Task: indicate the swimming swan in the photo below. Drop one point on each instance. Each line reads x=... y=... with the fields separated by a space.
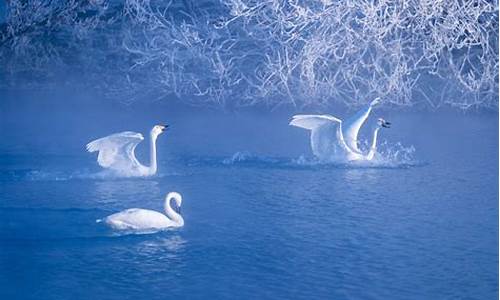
x=116 y=152
x=325 y=140
x=143 y=219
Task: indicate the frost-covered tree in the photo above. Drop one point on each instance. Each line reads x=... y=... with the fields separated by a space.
x=247 y=52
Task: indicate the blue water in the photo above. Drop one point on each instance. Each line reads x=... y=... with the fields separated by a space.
x=263 y=219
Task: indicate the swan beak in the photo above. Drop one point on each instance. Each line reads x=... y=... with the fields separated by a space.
x=164 y=128
x=177 y=208
x=386 y=124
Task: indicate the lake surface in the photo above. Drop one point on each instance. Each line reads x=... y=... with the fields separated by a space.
x=263 y=220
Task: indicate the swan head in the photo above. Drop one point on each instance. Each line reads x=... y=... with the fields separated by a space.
x=158 y=129
x=383 y=123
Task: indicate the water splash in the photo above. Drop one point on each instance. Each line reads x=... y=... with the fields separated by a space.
x=388 y=156
x=40 y=175
x=66 y=175
x=247 y=157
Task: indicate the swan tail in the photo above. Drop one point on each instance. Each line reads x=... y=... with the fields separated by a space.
x=98 y=220
x=312 y=122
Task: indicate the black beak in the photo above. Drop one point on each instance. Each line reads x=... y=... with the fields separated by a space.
x=386 y=125
x=165 y=127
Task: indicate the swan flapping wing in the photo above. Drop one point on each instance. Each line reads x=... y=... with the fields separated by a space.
x=323 y=133
x=313 y=121
x=116 y=151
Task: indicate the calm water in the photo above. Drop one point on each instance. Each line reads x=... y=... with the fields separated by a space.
x=260 y=223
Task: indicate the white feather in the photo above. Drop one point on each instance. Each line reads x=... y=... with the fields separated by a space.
x=117 y=150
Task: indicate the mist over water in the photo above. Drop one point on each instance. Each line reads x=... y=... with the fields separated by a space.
x=263 y=217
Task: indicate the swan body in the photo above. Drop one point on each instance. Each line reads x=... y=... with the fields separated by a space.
x=117 y=152
x=145 y=219
x=331 y=138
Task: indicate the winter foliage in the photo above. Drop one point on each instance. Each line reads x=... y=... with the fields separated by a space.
x=235 y=53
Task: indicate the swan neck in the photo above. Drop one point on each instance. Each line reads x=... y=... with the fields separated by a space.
x=373 y=148
x=171 y=214
x=153 y=166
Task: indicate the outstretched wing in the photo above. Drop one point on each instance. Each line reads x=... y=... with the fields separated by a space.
x=116 y=151
x=313 y=121
x=323 y=132
x=350 y=128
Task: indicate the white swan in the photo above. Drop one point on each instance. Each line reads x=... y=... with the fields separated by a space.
x=116 y=152
x=144 y=219
x=326 y=141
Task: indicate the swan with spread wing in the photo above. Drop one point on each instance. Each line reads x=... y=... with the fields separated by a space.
x=331 y=137
x=117 y=152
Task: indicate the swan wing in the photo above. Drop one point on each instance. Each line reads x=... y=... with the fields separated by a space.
x=350 y=128
x=323 y=133
x=116 y=151
x=313 y=121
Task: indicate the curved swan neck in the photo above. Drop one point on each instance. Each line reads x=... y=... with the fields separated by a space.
x=373 y=148
x=152 y=166
x=171 y=214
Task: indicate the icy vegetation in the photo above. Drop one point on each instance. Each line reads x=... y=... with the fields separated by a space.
x=235 y=53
